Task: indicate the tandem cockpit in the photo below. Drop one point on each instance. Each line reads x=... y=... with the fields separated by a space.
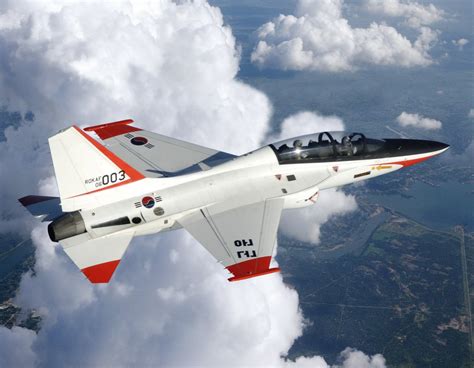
x=327 y=146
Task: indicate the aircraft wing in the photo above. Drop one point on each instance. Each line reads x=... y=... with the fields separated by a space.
x=242 y=239
x=155 y=155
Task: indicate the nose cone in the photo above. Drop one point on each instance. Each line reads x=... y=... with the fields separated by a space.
x=427 y=146
x=406 y=147
x=414 y=150
x=440 y=145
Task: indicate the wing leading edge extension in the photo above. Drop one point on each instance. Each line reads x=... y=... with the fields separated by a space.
x=156 y=155
x=242 y=239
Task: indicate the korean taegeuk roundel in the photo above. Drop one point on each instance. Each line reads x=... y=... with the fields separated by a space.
x=148 y=202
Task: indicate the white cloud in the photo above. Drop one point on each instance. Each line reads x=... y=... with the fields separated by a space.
x=460 y=43
x=415 y=14
x=94 y=62
x=471 y=114
x=419 y=121
x=318 y=37
x=307 y=122
x=356 y=359
x=350 y=358
x=155 y=310
x=304 y=223
x=16 y=347
x=171 y=67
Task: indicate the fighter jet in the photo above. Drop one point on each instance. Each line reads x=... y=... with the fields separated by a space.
x=141 y=183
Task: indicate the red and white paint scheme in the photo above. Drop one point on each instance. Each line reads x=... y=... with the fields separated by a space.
x=142 y=183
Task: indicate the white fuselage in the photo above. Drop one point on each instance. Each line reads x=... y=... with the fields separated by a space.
x=244 y=180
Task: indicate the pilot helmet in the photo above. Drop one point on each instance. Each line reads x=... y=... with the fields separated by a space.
x=298 y=143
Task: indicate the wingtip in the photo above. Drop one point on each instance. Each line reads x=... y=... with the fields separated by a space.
x=245 y=277
x=109 y=130
x=251 y=268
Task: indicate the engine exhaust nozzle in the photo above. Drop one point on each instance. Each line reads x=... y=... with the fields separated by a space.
x=66 y=226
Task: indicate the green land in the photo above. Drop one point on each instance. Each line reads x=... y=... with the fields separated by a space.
x=398 y=292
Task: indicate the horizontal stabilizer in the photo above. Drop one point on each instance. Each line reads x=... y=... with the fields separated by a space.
x=97 y=258
x=42 y=207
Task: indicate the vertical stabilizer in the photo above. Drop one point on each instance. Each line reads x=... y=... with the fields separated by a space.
x=84 y=166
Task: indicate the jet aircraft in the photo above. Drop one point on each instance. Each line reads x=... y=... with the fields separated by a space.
x=141 y=183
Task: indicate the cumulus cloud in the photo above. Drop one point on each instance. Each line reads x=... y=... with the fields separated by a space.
x=460 y=43
x=414 y=13
x=305 y=223
x=16 y=347
x=159 y=312
x=95 y=62
x=318 y=37
x=172 y=68
x=350 y=358
x=418 y=121
x=307 y=122
x=353 y=358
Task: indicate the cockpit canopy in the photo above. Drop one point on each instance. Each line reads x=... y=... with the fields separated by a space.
x=327 y=146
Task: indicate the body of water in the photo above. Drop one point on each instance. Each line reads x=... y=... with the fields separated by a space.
x=440 y=207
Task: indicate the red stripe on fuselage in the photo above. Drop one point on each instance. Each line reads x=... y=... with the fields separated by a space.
x=133 y=174
x=406 y=163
